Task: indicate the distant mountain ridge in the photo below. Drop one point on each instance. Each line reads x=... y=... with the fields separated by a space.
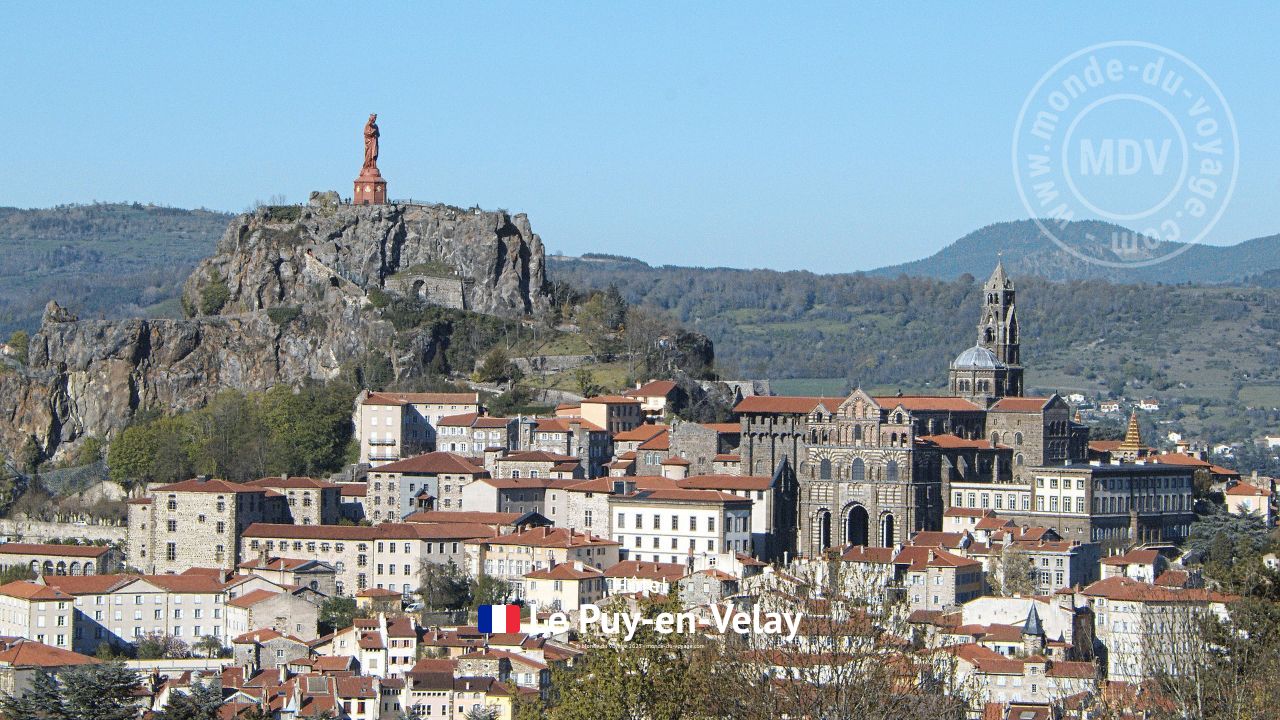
x=1025 y=251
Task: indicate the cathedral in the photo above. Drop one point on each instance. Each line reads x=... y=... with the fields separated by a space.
x=872 y=470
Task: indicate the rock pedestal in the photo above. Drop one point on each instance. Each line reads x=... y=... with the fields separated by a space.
x=370 y=188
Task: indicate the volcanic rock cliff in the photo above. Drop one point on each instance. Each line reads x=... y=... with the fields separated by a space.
x=288 y=295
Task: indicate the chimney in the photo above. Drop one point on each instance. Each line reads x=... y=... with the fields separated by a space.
x=284 y=476
x=283 y=673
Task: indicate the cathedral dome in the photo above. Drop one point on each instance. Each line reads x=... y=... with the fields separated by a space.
x=977 y=357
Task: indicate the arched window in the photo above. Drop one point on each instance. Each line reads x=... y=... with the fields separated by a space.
x=824 y=469
x=48 y=567
x=857 y=432
x=858 y=470
x=891 y=471
x=1017 y=438
x=75 y=568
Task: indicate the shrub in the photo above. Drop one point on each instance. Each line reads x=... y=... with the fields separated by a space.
x=214 y=296
x=283 y=315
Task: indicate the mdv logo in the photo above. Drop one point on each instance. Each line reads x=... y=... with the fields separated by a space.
x=1110 y=157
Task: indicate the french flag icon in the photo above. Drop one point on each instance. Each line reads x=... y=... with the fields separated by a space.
x=499 y=618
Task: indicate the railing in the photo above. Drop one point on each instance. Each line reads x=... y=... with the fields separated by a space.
x=386 y=441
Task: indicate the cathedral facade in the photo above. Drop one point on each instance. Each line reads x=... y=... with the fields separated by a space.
x=872 y=470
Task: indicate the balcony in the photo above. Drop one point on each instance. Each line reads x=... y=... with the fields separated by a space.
x=383 y=441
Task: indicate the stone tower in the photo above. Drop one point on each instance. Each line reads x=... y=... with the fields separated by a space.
x=992 y=368
x=1033 y=633
x=1132 y=448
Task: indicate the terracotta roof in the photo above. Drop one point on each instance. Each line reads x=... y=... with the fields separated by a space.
x=919 y=558
x=546 y=537
x=275 y=563
x=640 y=433
x=1119 y=587
x=401 y=398
x=313 y=532
x=661 y=441
x=463 y=516
x=538 y=456
x=209 y=486
x=1020 y=404
x=262 y=635
x=88 y=584
x=1173 y=578
x=653 y=388
x=682 y=495
x=252 y=598
x=28 y=653
x=463 y=420
x=564 y=425
x=566 y=571
x=432 y=463
x=727 y=482
x=292 y=482
x=1184 y=459
x=32 y=591
x=377 y=592
x=605 y=484
x=926 y=402
x=646 y=570
x=937 y=538
x=354 y=489
x=611 y=400
x=83 y=551
x=783 y=404
x=1138 y=557
x=185 y=583
x=676 y=460
x=1239 y=489
x=947 y=441
x=966 y=512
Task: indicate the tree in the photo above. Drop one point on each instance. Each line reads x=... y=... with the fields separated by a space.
x=338 y=612
x=444 y=586
x=496 y=366
x=214 y=296
x=99 y=692
x=1018 y=572
x=20 y=344
x=585 y=382
x=201 y=703
x=159 y=645
x=482 y=712
x=10 y=573
x=210 y=646
x=42 y=701
x=489 y=590
x=30 y=455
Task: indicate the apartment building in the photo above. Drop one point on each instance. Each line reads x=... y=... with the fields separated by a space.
x=36 y=612
x=680 y=525
x=770 y=515
x=566 y=587
x=614 y=413
x=309 y=501
x=935 y=579
x=392 y=425
x=423 y=482
x=574 y=437
x=585 y=504
x=510 y=557
x=472 y=434
x=197 y=523
x=388 y=556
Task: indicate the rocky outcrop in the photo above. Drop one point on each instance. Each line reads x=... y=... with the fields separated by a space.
x=295 y=305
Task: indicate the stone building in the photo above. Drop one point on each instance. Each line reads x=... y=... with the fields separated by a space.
x=395 y=490
x=702 y=443
x=309 y=501
x=871 y=470
x=395 y=425
x=196 y=523
x=53 y=559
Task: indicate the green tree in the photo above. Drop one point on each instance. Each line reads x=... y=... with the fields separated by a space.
x=20 y=344
x=1019 y=572
x=338 y=612
x=214 y=296
x=489 y=590
x=496 y=366
x=30 y=455
x=99 y=692
x=444 y=587
x=42 y=701
x=201 y=703
x=209 y=646
x=10 y=573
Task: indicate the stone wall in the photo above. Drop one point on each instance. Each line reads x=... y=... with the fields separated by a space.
x=36 y=531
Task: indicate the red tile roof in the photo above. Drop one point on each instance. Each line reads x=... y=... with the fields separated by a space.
x=403 y=398
x=1119 y=587
x=28 y=653
x=661 y=441
x=88 y=584
x=354 y=489
x=684 y=495
x=1020 y=404
x=611 y=400
x=947 y=441
x=566 y=571
x=646 y=570
x=432 y=463
x=546 y=537
x=292 y=482
x=783 y=404
x=640 y=433
x=605 y=484
x=1240 y=490
x=83 y=551
x=463 y=516
x=653 y=388
x=727 y=482
x=209 y=486
x=926 y=402
x=32 y=591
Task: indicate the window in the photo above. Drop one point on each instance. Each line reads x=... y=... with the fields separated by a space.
x=171 y=551
x=172 y=525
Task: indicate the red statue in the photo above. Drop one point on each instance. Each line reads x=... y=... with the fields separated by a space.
x=370 y=188
x=371 y=144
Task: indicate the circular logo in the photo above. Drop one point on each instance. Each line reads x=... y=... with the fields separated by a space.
x=1131 y=133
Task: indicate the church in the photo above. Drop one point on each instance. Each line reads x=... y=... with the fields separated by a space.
x=872 y=470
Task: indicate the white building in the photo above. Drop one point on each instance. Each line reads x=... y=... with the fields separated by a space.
x=36 y=612
x=392 y=425
x=680 y=525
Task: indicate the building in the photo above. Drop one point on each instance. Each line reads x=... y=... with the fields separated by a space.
x=21 y=660
x=36 y=612
x=565 y=587
x=584 y=505
x=874 y=469
x=700 y=444
x=1144 y=627
x=1241 y=499
x=655 y=396
x=394 y=425
x=384 y=556
x=282 y=612
x=935 y=579
x=575 y=437
x=197 y=523
x=473 y=433
x=645 y=578
x=614 y=413
x=680 y=525
x=535 y=464
x=510 y=557
x=397 y=490
x=55 y=559
x=510 y=495
x=309 y=501
x=295 y=572
x=768 y=510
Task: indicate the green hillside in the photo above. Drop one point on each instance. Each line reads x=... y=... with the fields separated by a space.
x=113 y=260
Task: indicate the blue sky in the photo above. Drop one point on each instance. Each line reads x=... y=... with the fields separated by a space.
x=830 y=137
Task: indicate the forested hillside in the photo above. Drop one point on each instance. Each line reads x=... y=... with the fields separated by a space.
x=1212 y=350
x=113 y=260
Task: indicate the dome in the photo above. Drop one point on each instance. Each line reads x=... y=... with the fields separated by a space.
x=977 y=357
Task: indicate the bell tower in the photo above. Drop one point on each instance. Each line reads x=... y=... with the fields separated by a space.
x=998 y=326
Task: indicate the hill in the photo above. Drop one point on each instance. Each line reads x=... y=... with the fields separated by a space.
x=1025 y=251
x=108 y=260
